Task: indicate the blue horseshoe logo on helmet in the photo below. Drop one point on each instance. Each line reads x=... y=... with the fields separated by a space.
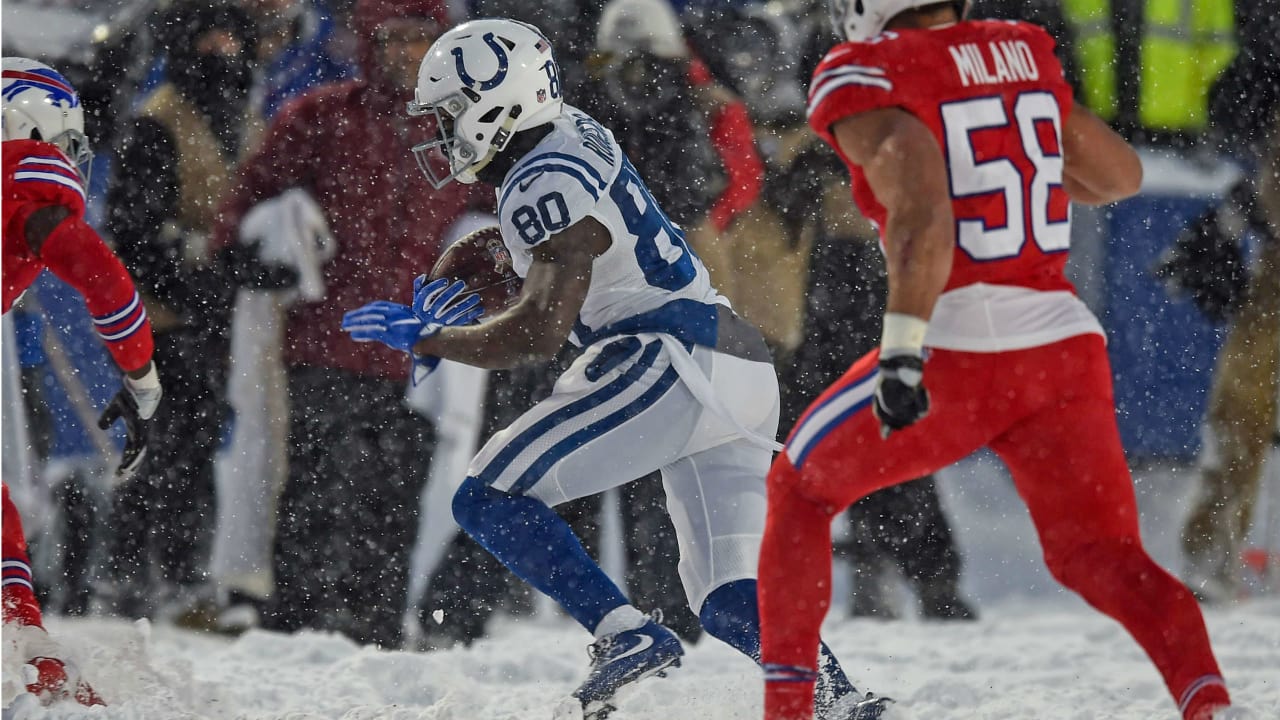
x=498 y=76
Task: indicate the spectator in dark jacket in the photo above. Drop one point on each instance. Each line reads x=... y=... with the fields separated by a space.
x=174 y=165
x=358 y=456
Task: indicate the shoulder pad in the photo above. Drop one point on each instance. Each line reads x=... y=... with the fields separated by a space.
x=43 y=174
x=559 y=182
x=852 y=78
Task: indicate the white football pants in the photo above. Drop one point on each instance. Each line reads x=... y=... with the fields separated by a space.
x=622 y=411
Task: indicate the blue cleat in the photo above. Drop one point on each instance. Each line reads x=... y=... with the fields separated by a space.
x=620 y=660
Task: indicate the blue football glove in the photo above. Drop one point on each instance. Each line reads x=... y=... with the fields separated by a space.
x=392 y=324
x=435 y=307
x=437 y=302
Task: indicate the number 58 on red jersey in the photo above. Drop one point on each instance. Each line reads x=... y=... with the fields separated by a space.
x=994 y=97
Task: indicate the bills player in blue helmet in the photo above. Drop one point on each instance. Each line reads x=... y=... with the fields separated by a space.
x=669 y=377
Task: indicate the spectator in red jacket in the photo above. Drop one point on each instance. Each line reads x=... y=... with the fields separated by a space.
x=358 y=457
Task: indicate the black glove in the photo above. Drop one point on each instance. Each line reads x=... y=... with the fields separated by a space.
x=1207 y=261
x=247 y=269
x=900 y=400
x=124 y=407
x=134 y=404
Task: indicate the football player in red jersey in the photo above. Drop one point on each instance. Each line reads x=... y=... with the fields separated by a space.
x=966 y=148
x=44 y=148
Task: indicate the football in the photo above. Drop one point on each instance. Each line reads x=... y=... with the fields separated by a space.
x=484 y=263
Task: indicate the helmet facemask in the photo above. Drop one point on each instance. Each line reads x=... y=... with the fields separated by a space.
x=836 y=10
x=457 y=154
x=465 y=159
x=75 y=146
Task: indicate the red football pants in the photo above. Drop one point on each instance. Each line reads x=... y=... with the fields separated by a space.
x=19 y=597
x=1048 y=412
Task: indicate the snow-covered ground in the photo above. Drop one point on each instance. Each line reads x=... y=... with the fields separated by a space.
x=1037 y=653
x=1019 y=662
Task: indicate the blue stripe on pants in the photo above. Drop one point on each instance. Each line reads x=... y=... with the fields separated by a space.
x=563 y=448
x=615 y=387
x=801 y=442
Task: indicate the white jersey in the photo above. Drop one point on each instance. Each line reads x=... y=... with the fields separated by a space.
x=649 y=280
x=650 y=368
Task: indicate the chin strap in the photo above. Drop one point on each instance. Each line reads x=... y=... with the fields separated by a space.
x=496 y=145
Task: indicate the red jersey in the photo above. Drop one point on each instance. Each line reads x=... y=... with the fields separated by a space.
x=993 y=95
x=38 y=175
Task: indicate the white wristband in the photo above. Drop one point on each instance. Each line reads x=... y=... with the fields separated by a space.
x=149 y=381
x=903 y=335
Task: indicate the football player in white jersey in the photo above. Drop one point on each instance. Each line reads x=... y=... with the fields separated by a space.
x=669 y=379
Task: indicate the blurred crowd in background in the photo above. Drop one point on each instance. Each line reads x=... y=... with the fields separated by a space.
x=253 y=173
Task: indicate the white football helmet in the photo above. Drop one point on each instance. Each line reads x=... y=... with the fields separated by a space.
x=482 y=81
x=861 y=20
x=39 y=104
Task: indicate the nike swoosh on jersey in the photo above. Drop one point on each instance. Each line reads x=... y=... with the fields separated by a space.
x=524 y=184
x=642 y=644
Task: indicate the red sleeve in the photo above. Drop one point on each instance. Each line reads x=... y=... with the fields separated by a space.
x=77 y=255
x=37 y=175
x=734 y=139
x=281 y=162
x=851 y=79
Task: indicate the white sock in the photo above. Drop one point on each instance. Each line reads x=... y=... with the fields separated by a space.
x=620 y=619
